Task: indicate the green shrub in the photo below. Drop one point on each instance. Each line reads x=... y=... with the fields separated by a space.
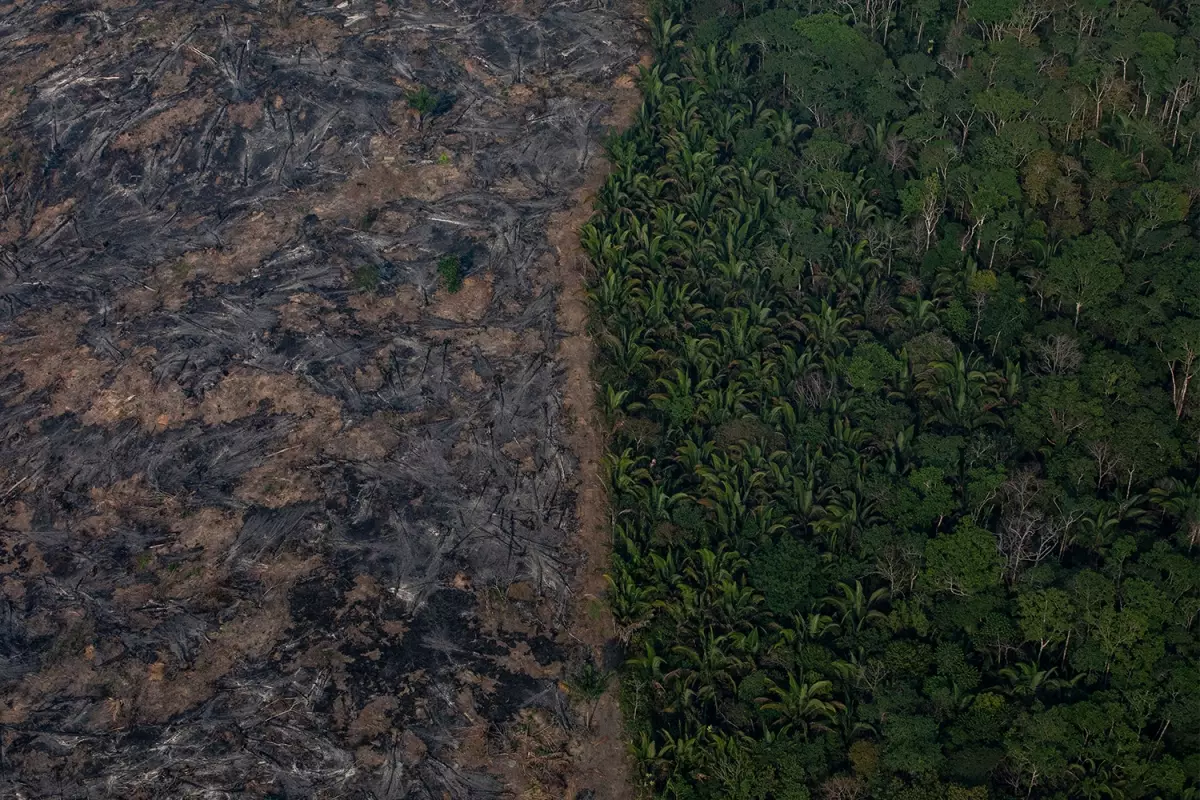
x=366 y=278
x=450 y=270
x=422 y=101
x=789 y=574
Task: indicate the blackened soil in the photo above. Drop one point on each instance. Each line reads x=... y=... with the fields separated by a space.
x=275 y=507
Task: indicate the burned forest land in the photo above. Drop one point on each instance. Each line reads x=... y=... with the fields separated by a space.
x=280 y=514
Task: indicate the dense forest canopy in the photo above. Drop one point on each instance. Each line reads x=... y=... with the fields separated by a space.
x=898 y=306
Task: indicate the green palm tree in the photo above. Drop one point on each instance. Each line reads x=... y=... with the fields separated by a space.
x=649 y=665
x=626 y=350
x=846 y=516
x=663 y=34
x=709 y=668
x=802 y=706
x=630 y=601
x=920 y=314
x=805 y=629
x=1181 y=501
x=827 y=329
x=615 y=403
x=1028 y=679
x=963 y=394
x=784 y=131
x=624 y=474
x=856 y=608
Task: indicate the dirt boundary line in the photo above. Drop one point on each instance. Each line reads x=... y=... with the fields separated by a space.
x=603 y=763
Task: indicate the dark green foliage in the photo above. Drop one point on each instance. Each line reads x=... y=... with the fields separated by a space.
x=422 y=101
x=450 y=270
x=587 y=684
x=898 y=318
x=428 y=103
x=368 y=219
x=366 y=278
x=789 y=575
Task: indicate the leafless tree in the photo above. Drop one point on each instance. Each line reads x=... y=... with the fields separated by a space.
x=1059 y=354
x=895 y=153
x=1108 y=461
x=1182 y=368
x=814 y=389
x=844 y=787
x=897 y=563
x=877 y=308
x=1026 y=533
x=886 y=239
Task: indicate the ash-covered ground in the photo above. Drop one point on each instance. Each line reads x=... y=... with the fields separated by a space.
x=279 y=515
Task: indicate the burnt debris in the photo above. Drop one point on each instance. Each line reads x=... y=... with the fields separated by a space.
x=267 y=485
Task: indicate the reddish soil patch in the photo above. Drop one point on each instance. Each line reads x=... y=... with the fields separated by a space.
x=244 y=392
x=245 y=115
x=288 y=30
x=469 y=304
x=166 y=124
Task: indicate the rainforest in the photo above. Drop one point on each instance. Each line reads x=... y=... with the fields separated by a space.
x=897 y=308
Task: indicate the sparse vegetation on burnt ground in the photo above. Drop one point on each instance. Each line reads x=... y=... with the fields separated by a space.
x=279 y=514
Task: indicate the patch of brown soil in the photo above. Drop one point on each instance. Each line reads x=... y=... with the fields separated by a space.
x=175 y=81
x=297 y=32
x=384 y=311
x=387 y=179
x=46 y=53
x=130 y=501
x=243 y=391
x=245 y=639
x=626 y=102
x=500 y=613
x=532 y=754
x=164 y=31
x=85 y=657
x=19 y=164
x=286 y=477
x=165 y=287
x=374 y=719
x=470 y=380
x=576 y=352
x=521 y=451
x=480 y=72
x=277 y=484
x=305 y=313
x=243 y=249
x=245 y=115
x=167 y=124
x=513 y=188
x=51 y=357
x=211 y=529
x=71 y=674
x=20 y=561
x=493 y=342
x=133 y=394
x=469 y=304
x=521 y=659
x=50 y=218
x=373 y=439
x=19 y=516
x=402 y=116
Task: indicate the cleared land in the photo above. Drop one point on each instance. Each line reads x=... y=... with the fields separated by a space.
x=279 y=515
